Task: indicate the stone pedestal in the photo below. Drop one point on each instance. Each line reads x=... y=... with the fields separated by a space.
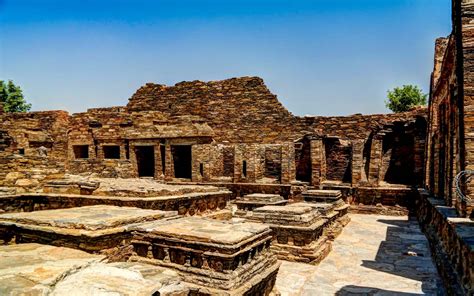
x=214 y=257
x=297 y=231
x=322 y=195
x=252 y=201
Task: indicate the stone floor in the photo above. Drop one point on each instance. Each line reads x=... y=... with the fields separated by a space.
x=374 y=255
x=33 y=269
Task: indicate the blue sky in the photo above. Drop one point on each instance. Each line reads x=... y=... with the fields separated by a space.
x=323 y=57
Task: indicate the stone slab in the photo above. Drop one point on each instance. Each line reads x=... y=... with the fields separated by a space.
x=88 y=218
x=34 y=269
x=263 y=197
x=289 y=215
x=324 y=193
x=201 y=230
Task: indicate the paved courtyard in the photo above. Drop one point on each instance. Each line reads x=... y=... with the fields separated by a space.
x=375 y=255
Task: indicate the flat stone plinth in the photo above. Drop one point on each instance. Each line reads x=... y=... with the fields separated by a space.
x=336 y=215
x=322 y=195
x=220 y=257
x=297 y=230
x=250 y=202
x=300 y=215
x=91 y=228
x=198 y=203
x=34 y=269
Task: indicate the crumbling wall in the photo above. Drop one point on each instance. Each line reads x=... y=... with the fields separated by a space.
x=32 y=148
x=239 y=110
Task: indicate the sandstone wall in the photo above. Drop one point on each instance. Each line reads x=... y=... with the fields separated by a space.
x=240 y=110
x=450 y=147
x=32 y=148
x=450 y=239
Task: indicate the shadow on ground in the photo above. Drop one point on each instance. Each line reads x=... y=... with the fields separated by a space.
x=365 y=291
x=405 y=253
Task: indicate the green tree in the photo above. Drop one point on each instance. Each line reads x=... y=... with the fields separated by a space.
x=12 y=98
x=402 y=99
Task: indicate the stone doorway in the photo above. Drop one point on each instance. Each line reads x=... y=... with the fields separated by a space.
x=145 y=160
x=182 y=161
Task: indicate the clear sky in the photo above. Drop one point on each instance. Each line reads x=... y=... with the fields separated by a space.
x=323 y=57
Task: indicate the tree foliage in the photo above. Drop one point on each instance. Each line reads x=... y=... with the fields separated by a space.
x=12 y=98
x=402 y=99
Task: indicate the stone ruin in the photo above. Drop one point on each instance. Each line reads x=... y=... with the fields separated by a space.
x=211 y=182
x=198 y=188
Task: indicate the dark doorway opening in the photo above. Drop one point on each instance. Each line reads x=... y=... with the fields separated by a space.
x=182 y=161
x=303 y=160
x=145 y=161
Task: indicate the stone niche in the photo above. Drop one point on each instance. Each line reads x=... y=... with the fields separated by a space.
x=90 y=228
x=208 y=257
x=297 y=232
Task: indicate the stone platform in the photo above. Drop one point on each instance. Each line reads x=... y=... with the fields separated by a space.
x=91 y=228
x=34 y=269
x=336 y=215
x=298 y=232
x=198 y=203
x=322 y=195
x=216 y=257
x=250 y=202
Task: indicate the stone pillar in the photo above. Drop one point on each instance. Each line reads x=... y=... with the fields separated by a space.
x=288 y=166
x=133 y=159
x=375 y=161
x=357 y=161
x=169 y=165
x=158 y=165
x=238 y=162
x=317 y=161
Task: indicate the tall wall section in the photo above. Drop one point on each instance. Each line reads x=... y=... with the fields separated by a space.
x=239 y=110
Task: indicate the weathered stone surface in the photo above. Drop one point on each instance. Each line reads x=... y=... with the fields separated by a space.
x=370 y=257
x=223 y=257
x=92 y=228
x=451 y=239
x=87 y=218
x=122 y=278
x=33 y=269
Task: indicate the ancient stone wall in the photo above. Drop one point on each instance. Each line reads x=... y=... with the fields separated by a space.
x=240 y=110
x=32 y=148
x=450 y=238
x=450 y=146
x=233 y=130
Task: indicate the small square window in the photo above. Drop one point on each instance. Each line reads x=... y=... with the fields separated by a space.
x=81 y=151
x=21 y=151
x=111 y=152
